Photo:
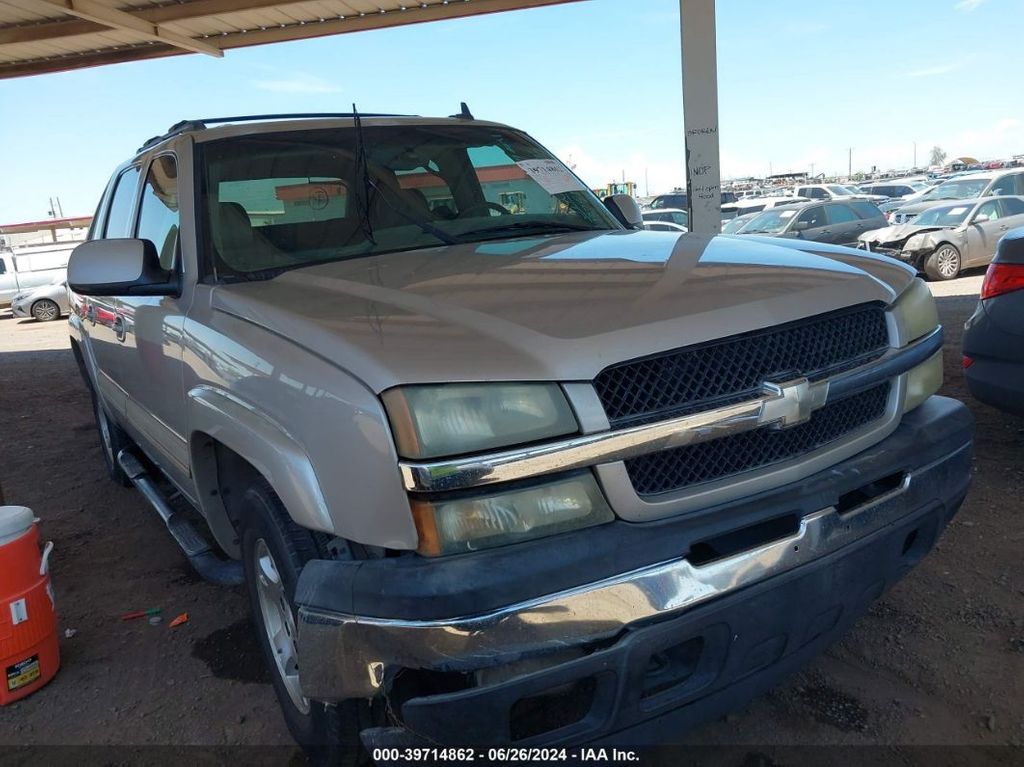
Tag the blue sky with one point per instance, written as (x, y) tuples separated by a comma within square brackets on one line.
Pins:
[(597, 82)]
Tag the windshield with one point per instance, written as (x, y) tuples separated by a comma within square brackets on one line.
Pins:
[(277, 201), (770, 222), (734, 225), (959, 189), (944, 215)]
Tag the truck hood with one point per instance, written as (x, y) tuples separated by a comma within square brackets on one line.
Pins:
[(554, 307)]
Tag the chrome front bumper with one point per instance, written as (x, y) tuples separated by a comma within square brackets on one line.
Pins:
[(348, 656)]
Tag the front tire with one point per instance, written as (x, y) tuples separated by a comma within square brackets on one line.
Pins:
[(944, 263), (274, 549), (45, 310), (112, 441)]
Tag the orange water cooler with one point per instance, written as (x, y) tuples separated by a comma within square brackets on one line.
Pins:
[(29, 656)]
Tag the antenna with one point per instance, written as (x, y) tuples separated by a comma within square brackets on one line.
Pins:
[(464, 113)]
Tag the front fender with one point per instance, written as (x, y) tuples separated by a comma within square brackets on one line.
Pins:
[(267, 445)]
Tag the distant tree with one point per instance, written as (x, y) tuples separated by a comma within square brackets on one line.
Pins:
[(938, 156)]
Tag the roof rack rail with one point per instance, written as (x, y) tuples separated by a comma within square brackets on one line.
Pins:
[(201, 124)]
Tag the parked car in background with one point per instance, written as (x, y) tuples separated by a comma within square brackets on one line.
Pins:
[(894, 189), (666, 220), (948, 238), (757, 204), (45, 303), (681, 201), (963, 187), (23, 269), (994, 335), (735, 225), (839, 223), (833, 192)]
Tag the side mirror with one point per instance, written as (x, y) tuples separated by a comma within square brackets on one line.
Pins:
[(119, 268), (801, 226), (625, 210), (981, 219)]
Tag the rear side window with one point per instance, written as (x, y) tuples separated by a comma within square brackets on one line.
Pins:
[(158, 214), (866, 210), (119, 217), (1012, 206)]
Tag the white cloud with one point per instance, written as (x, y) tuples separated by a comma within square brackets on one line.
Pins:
[(941, 69), (298, 82), (967, 5)]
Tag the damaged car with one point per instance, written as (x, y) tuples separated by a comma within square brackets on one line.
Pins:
[(946, 239)]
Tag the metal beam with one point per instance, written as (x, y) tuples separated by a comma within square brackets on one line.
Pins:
[(700, 115), (194, 9), (414, 14), (112, 18), (198, 9)]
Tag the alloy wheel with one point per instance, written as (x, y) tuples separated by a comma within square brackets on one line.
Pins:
[(948, 262), (278, 623)]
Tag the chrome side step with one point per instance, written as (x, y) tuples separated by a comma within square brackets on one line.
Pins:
[(201, 555)]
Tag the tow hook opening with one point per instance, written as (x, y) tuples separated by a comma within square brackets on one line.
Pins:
[(746, 538), (866, 493)]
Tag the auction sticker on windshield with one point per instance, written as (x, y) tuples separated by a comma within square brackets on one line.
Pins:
[(551, 175)]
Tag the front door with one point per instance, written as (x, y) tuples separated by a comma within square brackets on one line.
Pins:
[(984, 232), (150, 352), (99, 313)]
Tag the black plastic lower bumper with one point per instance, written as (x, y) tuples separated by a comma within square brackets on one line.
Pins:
[(661, 679)]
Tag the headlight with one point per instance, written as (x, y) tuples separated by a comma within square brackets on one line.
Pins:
[(913, 243), (499, 519), (915, 312), (923, 381), (18, 297), (449, 419)]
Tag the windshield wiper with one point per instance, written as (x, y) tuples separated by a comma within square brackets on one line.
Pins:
[(368, 183), (544, 226)]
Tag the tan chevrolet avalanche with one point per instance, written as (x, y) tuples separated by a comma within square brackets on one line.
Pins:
[(496, 467)]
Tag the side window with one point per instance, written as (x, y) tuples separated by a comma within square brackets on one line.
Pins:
[(158, 214), (802, 191), (119, 217), (1018, 184), (841, 214), (866, 209), (813, 217), (3, 266), (1012, 206), (679, 218), (989, 210), (1005, 185)]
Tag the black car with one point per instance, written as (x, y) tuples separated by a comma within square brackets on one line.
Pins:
[(838, 223), (994, 335)]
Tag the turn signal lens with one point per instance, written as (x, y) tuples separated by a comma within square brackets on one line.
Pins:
[(498, 519), (923, 381), (1002, 278)]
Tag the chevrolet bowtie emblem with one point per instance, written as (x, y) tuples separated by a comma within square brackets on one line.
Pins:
[(791, 403)]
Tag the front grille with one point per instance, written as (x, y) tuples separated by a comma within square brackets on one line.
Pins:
[(733, 369), (678, 468)]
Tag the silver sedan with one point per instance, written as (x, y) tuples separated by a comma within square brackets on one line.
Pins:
[(45, 303)]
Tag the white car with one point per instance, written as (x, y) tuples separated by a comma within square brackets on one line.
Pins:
[(666, 220), (757, 204), (45, 303), (834, 192)]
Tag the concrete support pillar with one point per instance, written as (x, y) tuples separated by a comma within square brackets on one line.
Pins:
[(700, 115)]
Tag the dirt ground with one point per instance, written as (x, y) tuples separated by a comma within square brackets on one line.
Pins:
[(939, 660)]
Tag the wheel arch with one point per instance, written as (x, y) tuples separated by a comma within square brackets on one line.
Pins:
[(231, 442)]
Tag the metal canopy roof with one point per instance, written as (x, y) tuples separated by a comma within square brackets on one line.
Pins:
[(39, 36)]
